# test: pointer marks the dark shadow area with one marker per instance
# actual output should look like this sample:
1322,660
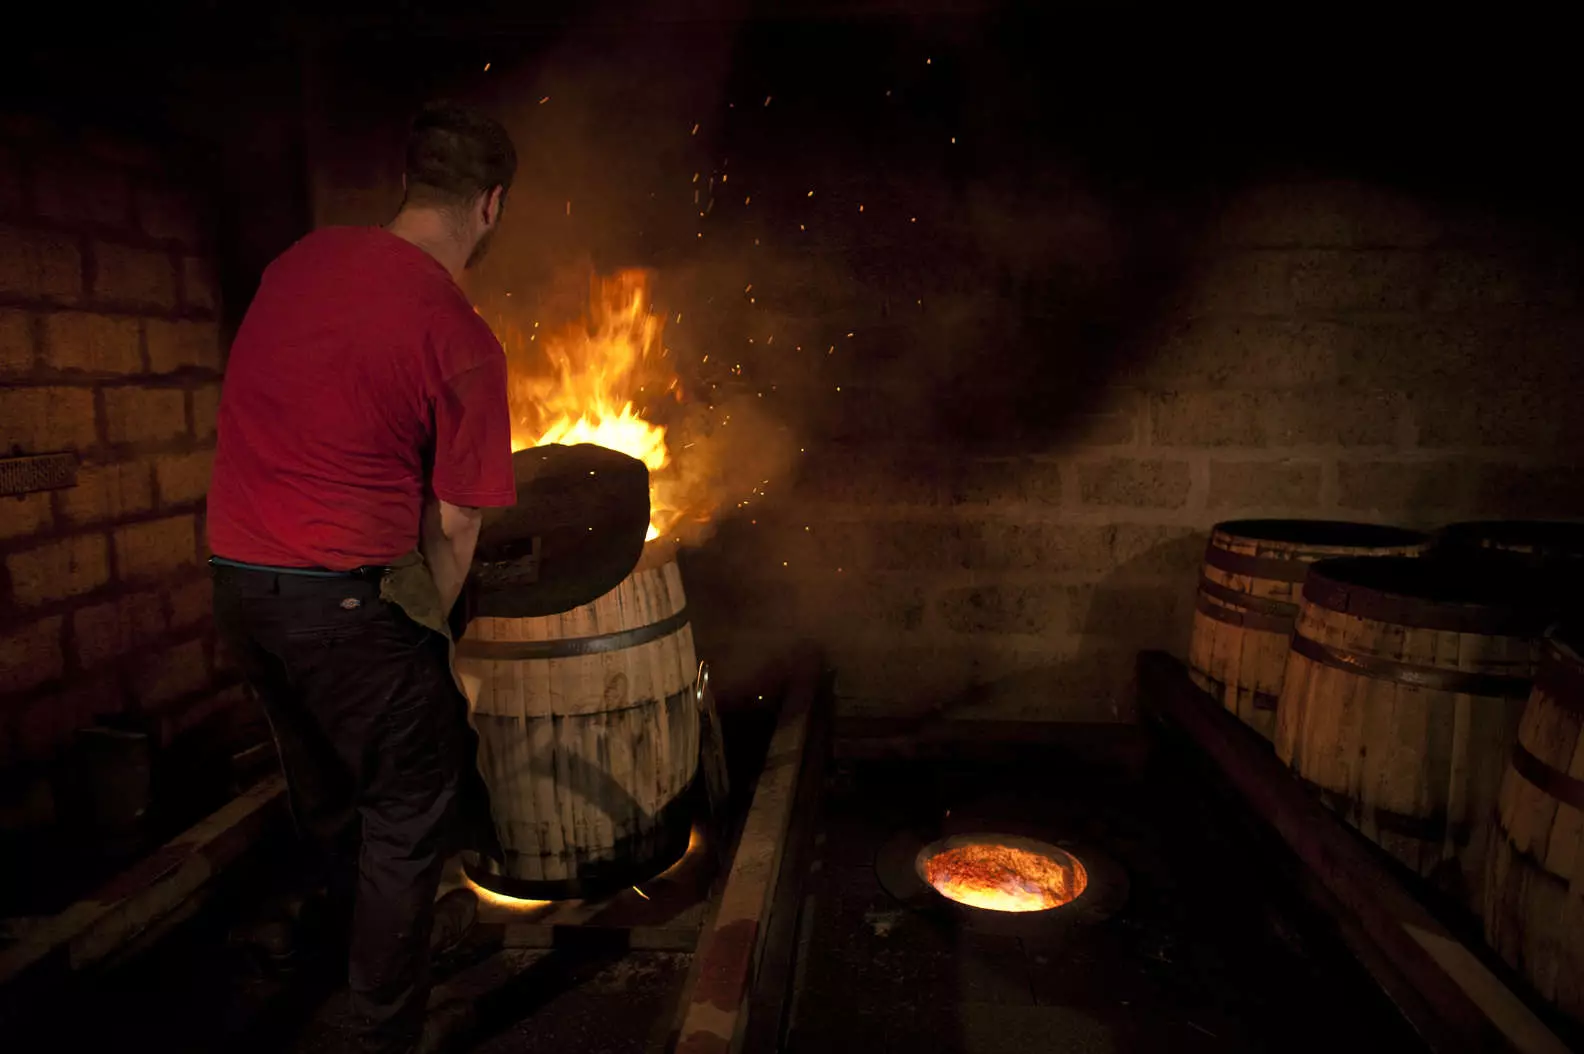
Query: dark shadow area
1207,953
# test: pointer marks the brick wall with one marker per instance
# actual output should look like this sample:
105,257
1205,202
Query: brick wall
1326,349
109,347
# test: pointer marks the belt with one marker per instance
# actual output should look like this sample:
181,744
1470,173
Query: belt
368,572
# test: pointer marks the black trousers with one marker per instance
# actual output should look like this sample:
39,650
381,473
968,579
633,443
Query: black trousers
379,760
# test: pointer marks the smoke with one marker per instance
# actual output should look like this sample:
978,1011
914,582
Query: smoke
621,166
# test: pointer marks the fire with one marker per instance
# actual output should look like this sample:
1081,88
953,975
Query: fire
604,372
1002,877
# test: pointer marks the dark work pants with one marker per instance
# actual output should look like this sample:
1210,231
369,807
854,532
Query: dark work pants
379,761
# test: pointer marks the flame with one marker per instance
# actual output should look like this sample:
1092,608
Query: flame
602,373
501,900
1005,878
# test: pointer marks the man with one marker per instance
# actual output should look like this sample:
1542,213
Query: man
364,421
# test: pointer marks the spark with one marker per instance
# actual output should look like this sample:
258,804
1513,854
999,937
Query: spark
913,219
693,132
801,227
486,67
849,334
695,177
544,100
723,178
768,98
811,193
748,288
569,207
747,199
954,139
860,208
640,892
928,61
679,319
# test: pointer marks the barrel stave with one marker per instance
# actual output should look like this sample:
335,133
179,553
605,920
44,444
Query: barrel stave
587,754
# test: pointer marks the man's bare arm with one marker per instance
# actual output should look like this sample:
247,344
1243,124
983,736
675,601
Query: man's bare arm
448,536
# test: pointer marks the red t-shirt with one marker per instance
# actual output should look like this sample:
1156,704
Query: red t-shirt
361,382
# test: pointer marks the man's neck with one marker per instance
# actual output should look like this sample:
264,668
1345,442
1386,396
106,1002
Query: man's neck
433,232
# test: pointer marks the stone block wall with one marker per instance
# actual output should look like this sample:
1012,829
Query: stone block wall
1328,349
109,348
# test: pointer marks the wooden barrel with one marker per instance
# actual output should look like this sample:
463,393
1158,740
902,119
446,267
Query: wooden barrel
588,736
1401,699
1534,887
1542,543
1248,602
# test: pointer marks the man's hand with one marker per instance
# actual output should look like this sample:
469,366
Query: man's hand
448,536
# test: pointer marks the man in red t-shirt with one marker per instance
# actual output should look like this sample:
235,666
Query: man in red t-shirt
364,419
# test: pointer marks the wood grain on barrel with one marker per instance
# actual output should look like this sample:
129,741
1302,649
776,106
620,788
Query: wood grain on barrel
581,752
1246,607
1533,906
1378,717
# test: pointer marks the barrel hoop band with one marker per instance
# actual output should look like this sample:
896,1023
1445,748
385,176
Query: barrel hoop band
514,650
1267,567
1434,678
1564,788
1433,828
1362,602
1253,620
1261,700
1264,605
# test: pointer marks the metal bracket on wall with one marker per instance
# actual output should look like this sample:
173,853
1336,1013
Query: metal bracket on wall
35,472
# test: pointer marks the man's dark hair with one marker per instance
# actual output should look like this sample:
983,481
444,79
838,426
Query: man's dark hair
454,154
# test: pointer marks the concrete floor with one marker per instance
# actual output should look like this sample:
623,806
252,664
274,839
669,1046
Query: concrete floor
1204,956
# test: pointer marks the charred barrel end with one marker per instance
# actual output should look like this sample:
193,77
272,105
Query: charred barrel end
577,530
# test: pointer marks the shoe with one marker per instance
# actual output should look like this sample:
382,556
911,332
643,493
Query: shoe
456,915
448,1027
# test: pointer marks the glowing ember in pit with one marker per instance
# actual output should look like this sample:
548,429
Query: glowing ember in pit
1000,873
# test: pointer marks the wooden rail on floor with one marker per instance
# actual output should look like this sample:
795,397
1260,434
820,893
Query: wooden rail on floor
140,899
1454,1001
714,1015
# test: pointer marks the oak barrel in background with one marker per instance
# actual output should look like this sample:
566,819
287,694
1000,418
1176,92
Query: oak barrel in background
588,731
1542,543
1248,602
1401,699
1534,886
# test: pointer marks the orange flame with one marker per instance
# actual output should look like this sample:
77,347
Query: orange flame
603,370
1005,878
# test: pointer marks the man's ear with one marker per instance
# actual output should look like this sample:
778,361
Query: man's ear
493,199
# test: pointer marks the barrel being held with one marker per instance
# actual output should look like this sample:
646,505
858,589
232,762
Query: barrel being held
588,736
1248,602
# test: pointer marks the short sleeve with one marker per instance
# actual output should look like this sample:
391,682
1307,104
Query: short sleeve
472,432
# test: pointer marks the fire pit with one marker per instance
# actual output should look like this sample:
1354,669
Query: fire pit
1002,872
1002,878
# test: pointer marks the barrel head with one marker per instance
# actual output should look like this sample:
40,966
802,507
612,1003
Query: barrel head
577,530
